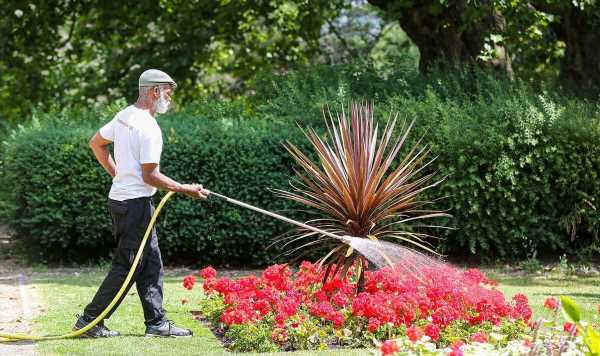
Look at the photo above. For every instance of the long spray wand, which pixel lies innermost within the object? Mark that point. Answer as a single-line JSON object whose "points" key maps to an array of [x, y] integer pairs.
{"points": [[347, 239]]}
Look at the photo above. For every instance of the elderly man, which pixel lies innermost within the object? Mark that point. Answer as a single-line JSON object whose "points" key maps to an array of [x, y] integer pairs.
{"points": [[135, 170]]}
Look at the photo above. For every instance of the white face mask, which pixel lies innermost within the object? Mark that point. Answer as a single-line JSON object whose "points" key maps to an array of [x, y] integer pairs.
{"points": [[162, 105]]}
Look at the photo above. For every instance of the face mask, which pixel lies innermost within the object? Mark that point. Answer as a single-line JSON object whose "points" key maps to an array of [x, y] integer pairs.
{"points": [[162, 105]]}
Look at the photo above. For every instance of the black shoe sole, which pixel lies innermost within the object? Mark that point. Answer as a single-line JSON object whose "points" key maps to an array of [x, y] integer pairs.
{"points": [[85, 335], [157, 335]]}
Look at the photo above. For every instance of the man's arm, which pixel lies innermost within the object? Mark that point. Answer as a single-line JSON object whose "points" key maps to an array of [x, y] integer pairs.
{"points": [[99, 146], [153, 177]]}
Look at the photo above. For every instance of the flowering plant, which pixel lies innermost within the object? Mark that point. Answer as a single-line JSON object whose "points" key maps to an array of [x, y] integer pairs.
{"points": [[297, 311], [548, 336]]}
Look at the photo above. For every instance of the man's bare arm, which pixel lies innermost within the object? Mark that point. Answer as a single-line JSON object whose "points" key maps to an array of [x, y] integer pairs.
{"points": [[99, 146], [152, 176]]}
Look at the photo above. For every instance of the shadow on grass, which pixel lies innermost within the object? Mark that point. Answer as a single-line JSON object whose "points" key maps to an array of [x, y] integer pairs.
{"points": [[575, 295], [548, 282], [83, 280], [91, 277]]}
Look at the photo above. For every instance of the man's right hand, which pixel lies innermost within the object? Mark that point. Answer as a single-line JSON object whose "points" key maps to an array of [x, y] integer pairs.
{"points": [[195, 191]]}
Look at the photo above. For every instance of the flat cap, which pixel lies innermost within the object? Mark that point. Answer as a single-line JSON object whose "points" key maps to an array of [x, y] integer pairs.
{"points": [[154, 77]]}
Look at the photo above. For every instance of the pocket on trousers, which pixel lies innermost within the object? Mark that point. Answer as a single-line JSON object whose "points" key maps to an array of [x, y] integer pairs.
{"points": [[118, 212], [117, 207]]}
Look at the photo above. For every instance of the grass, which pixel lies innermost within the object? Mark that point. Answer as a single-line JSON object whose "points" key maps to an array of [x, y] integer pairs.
{"points": [[585, 291], [66, 294]]}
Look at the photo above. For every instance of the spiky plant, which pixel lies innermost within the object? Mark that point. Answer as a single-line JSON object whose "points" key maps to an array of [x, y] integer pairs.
{"points": [[356, 188]]}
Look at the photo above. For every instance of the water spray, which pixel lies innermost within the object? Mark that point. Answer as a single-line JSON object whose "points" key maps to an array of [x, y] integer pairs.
{"points": [[381, 253]]}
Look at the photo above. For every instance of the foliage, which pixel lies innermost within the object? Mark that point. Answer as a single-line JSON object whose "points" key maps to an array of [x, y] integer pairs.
{"points": [[572, 313], [80, 53], [64, 53], [355, 189], [363, 33], [301, 313], [505, 148], [545, 37], [451, 33], [522, 167]]}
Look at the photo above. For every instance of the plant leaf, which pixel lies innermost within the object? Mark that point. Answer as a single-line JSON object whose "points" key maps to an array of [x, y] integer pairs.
{"points": [[570, 309]]}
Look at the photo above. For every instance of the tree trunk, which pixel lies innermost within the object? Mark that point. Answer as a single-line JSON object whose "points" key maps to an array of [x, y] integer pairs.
{"points": [[580, 31], [450, 36]]}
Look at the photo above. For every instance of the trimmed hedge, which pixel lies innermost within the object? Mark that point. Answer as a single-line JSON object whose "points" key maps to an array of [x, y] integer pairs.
{"points": [[58, 192], [522, 169]]}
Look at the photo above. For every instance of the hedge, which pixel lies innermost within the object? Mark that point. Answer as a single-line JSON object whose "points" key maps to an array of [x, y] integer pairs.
{"points": [[58, 192], [522, 170]]}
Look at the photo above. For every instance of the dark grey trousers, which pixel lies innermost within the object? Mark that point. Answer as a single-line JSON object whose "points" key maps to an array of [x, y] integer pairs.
{"points": [[130, 219]]}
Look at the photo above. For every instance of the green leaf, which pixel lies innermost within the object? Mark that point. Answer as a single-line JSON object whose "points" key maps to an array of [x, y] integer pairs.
{"points": [[571, 311], [592, 340]]}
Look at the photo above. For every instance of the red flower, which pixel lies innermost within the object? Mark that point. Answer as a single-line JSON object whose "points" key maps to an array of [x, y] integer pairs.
{"points": [[189, 281], [444, 294], [340, 299], [280, 320], [433, 331], [414, 333], [551, 303], [389, 347], [374, 324], [570, 328], [337, 319], [527, 343], [208, 273], [456, 349], [598, 308], [480, 337], [455, 352]]}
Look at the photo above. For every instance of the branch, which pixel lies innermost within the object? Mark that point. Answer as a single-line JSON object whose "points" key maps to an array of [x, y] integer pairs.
{"points": [[73, 22], [341, 38]]}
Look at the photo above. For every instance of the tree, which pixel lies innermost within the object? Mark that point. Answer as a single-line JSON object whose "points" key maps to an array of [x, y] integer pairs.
{"points": [[361, 34], [577, 24], [452, 32], [71, 52]]}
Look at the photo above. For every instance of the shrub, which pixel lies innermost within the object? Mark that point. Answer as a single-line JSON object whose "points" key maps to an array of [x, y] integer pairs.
{"points": [[57, 191], [522, 166]]}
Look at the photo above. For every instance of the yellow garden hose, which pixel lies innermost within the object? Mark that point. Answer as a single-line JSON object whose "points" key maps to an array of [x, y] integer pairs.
{"points": [[15, 337]]}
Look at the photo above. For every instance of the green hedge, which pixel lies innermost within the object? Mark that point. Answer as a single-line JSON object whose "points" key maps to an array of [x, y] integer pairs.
{"points": [[522, 168], [523, 175], [58, 192]]}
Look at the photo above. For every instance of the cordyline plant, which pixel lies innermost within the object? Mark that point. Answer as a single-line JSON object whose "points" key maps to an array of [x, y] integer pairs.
{"points": [[356, 190]]}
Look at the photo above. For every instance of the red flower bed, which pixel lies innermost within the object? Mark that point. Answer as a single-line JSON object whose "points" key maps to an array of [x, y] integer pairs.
{"points": [[423, 304]]}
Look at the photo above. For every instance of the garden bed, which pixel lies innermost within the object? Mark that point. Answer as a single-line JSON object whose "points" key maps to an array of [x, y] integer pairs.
{"points": [[281, 310]]}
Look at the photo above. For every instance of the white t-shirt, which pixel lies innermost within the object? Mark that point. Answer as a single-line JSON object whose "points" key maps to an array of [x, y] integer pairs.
{"points": [[137, 140]]}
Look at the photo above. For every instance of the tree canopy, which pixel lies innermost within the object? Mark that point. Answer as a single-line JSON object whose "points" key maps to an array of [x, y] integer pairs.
{"points": [[59, 52]]}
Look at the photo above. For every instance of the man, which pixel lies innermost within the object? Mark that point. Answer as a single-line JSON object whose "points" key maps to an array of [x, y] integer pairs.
{"points": [[136, 176]]}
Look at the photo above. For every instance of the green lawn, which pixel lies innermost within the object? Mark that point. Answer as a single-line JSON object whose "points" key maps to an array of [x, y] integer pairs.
{"points": [[66, 295], [584, 290]]}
